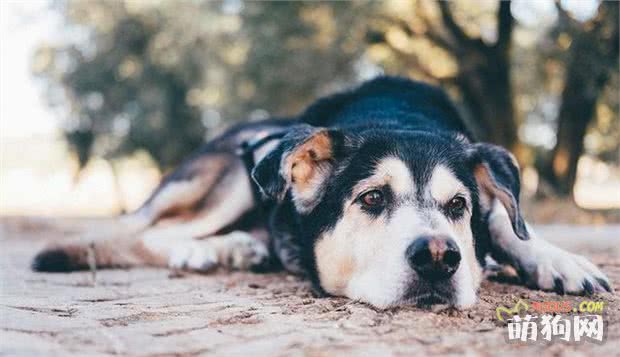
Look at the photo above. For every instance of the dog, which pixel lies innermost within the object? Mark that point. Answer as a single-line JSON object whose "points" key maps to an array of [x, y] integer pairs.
{"points": [[379, 194]]}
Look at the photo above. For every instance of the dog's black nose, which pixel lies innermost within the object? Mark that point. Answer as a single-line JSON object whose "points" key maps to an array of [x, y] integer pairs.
{"points": [[434, 257]]}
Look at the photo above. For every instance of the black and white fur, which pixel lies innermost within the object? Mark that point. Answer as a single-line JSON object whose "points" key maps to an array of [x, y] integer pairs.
{"points": [[400, 137]]}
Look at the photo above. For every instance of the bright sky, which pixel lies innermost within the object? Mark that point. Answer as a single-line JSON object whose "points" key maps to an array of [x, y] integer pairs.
{"points": [[37, 176], [23, 25]]}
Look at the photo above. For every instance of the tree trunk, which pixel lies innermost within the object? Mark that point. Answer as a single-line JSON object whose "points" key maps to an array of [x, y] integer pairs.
{"points": [[576, 113], [484, 78], [594, 53], [487, 93]]}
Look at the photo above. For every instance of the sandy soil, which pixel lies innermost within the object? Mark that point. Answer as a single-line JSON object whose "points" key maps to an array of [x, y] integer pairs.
{"points": [[145, 312]]}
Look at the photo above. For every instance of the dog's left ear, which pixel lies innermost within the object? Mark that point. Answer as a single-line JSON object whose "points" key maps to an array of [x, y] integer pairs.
{"points": [[497, 174], [301, 162]]}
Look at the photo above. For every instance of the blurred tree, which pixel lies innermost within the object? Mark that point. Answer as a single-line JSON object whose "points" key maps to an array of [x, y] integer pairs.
{"points": [[122, 94], [483, 68], [157, 76], [484, 64], [591, 60], [163, 76], [299, 50]]}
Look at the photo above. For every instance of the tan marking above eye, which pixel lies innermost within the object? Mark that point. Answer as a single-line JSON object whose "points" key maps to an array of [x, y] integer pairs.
{"points": [[392, 171], [444, 185]]}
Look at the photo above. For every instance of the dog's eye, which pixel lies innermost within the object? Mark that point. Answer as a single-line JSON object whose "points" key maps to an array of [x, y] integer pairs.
{"points": [[372, 198], [456, 206]]}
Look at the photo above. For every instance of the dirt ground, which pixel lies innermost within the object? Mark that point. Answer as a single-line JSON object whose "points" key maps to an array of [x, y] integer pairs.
{"points": [[145, 312]]}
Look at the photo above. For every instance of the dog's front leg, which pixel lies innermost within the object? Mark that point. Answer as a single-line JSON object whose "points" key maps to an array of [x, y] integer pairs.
{"points": [[540, 264], [237, 250]]}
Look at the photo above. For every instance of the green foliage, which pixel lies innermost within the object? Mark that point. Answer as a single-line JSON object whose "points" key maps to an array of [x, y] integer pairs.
{"points": [[163, 76], [123, 92], [157, 77]]}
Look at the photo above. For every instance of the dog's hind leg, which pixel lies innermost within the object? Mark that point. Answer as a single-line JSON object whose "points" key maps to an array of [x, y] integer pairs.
{"points": [[181, 192], [227, 201], [209, 193]]}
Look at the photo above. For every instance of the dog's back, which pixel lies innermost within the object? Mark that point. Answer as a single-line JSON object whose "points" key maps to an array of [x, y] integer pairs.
{"points": [[388, 102]]}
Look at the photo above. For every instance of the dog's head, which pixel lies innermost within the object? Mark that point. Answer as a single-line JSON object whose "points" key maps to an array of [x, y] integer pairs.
{"points": [[389, 217]]}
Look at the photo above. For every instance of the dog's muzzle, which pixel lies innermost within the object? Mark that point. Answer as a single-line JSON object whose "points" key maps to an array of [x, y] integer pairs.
{"points": [[434, 258]]}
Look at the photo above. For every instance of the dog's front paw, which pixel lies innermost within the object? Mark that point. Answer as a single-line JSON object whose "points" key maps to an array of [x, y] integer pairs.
{"points": [[193, 256], [244, 252], [236, 250], [563, 272]]}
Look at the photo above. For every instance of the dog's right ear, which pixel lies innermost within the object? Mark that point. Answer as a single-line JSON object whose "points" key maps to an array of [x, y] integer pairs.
{"points": [[301, 162]]}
